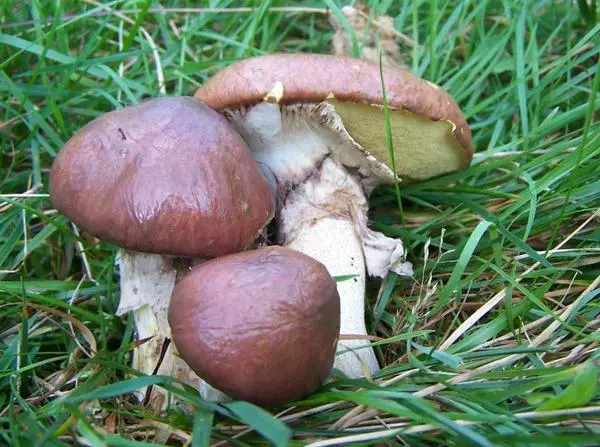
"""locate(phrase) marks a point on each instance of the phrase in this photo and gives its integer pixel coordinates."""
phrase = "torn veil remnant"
(316, 126)
(163, 179)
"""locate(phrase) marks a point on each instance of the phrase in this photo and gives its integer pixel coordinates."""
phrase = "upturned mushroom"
(316, 125)
(163, 179)
(260, 325)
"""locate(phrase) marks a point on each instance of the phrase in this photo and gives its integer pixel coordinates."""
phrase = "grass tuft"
(494, 343)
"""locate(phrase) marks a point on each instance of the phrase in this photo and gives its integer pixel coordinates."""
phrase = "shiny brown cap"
(313, 77)
(260, 325)
(168, 176)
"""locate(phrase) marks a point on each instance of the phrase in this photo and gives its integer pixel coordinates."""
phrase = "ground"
(493, 342)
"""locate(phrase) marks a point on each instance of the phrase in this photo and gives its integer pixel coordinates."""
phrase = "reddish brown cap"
(313, 77)
(261, 325)
(168, 176)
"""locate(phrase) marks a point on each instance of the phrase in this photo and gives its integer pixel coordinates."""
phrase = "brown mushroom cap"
(260, 325)
(168, 176)
(314, 77)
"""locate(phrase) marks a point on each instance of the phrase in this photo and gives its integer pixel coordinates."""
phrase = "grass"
(495, 342)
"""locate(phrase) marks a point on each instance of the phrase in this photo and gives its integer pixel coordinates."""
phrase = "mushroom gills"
(323, 177)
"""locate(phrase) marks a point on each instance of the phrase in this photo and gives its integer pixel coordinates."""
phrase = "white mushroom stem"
(334, 241)
(354, 356)
(146, 283)
(325, 218)
(323, 209)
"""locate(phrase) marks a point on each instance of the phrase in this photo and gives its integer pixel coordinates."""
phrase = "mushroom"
(260, 325)
(163, 179)
(316, 125)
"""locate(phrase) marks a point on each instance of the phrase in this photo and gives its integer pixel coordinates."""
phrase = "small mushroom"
(261, 325)
(162, 179)
(316, 125)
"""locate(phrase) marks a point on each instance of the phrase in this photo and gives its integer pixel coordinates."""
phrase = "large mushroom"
(316, 125)
(171, 183)
(260, 325)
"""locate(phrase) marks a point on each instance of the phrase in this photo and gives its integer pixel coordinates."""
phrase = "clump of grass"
(495, 342)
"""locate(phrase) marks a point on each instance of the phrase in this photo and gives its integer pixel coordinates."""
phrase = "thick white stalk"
(333, 241)
(147, 281)
(322, 218)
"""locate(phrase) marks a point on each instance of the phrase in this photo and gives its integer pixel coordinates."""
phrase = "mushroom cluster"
(187, 186)
(316, 124)
(174, 186)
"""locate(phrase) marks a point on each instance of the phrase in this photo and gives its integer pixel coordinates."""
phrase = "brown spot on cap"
(313, 77)
(168, 176)
(259, 325)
